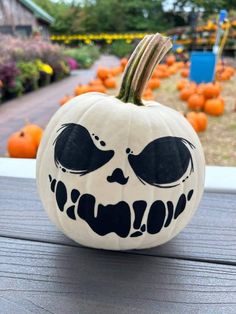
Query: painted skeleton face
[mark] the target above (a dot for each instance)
(119, 176)
(161, 165)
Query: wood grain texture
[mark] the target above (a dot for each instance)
(49, 278)
(211, 236)
(13, 13)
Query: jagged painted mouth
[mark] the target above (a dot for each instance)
(117, 217)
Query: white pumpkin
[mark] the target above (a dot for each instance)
(115, 175)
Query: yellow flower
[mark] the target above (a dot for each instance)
(46, 68)
(88, 38)
(87, 41)
(179, 50)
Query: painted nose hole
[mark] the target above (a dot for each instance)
(118, 177)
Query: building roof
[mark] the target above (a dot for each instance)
(37, 11)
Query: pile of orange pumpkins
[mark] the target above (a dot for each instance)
(224, 72)
(106, 79)
(163, 71)
(25, 142)
(201, 98)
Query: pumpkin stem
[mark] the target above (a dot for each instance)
(131, 66)
(141, 65)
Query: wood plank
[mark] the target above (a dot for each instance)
(210, 236)
(48, 278)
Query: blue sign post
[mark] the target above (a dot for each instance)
(203, 64)
(223, 15)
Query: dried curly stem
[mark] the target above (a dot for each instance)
(141, 65)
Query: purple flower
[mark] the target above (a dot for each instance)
(8, 72)
(72, 63)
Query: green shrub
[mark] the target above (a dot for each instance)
(84, 55)
(29, 75)
(121, 49)
(15, 90)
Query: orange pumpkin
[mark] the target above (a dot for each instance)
(191, 114)
(116, 71)
(123, 63)
(166, 73)
(193, 85)
(186, 92)
(196, 102)
(21, 145)
(162, 74)
(147, 94)
(110, 82)
(223, 76)
(200, 88)
(230, 70)
(214, 106)
(181, 84)
(98, 88)
(222, 100)
(170, 60)
(82, 89)
(179, 64)
(65, 99)
(95, 82)
(184, 72)
(103, 73)
(193, 122)
(211, 90)
(154, 83)
(35, 131)
(162, 67)
(200, 120)
(155, 73)
(172, 70)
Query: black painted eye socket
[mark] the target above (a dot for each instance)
(163, 162)
(76, 152)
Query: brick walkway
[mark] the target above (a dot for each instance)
(38, 107)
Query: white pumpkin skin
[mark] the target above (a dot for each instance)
(121, 126)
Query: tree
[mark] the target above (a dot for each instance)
(106, 16)
(208, 7)
(122, 15)
(49, 6)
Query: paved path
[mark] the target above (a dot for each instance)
(38, 107)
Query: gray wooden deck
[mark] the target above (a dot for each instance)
(42, 271)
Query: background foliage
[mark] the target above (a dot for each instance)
(127, 15)
(85, 55)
